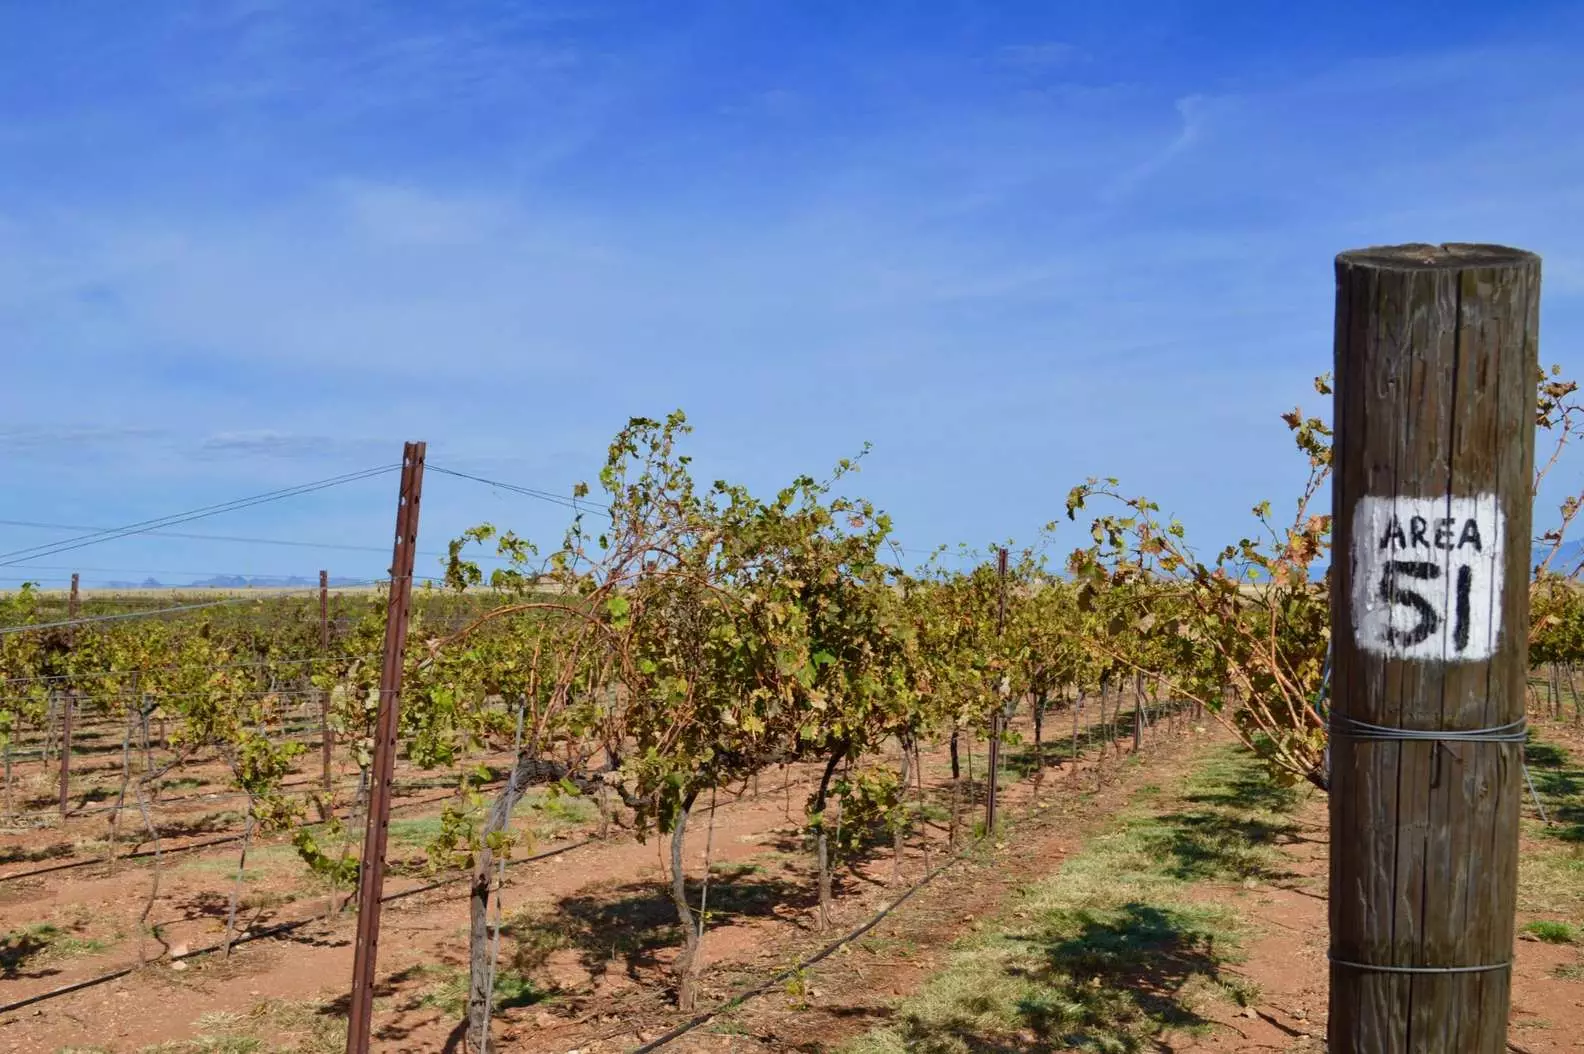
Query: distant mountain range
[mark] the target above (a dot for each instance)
(237, 582)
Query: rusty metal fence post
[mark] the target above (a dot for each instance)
(326, 737)
(997, 718)
(68, 704)
(371, 872)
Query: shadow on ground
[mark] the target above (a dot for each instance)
(1106, 979)
(1560, 783)
(1056, 750)
(20, 949)
(1229, 832)
(629, 925)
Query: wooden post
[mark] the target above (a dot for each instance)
(371, 871)
(68, 704)
(997, 718)
(1436, 361)
(326, 742)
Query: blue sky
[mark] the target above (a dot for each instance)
(250, 244)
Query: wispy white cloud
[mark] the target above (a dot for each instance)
(1191, 113)
(46, 440)
(290, 446)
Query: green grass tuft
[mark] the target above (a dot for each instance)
(1552, 932)
(449, 991)
(43, 942)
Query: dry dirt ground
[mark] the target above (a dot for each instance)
(590, 932)
(1117, 950)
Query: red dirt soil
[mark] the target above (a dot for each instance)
(607, 966)
(606, 891)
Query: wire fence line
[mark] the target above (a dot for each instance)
(17, 556)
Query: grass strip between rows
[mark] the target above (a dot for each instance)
(1112, 950)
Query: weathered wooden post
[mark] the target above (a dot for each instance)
(1436, 362)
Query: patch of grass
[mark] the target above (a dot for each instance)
(273, 1026)
(535, 940)
(69, 946)
(43, 942)
(262, 861)
(219, 822)
(548, 816)
(553, 814)
(1559, 780)
(448, 991)
(414, 832)
(1551, 882)
(1552, 932)
(927, 812)
(1569, 972)
(1551, 876)
(1108, 953)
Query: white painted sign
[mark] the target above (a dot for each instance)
(1427, 577)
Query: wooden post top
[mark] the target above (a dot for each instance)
(1445, 257)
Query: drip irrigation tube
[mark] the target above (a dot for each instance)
(737, 1000)
(268, 931)
(144, 853)
(701, 1019)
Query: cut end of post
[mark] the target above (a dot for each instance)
(1450, 256)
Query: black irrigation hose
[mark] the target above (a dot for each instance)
(669, 1037)
(308, 780)
(764, 986)
(88, 809)
(468, 876)
(395, 896)
(143, 853)
(209, 797)
(225, 840)
(72, 865)
(699, 1020)
(268, 931)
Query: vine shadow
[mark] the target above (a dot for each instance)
(23, 855)
(631, 924)
(21, 947)
(1560, 783)
(1056, 748)
(1232, 835)
(1103, 979)
(210, 823)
